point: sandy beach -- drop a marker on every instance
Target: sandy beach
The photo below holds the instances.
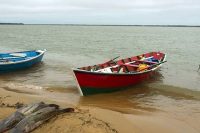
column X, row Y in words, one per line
column 54, row 51
column 90, row 119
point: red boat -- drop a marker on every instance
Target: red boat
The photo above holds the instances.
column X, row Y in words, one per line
column 116, row 75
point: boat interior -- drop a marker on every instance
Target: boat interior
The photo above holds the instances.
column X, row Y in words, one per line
column 133, row 64
column 18, row 56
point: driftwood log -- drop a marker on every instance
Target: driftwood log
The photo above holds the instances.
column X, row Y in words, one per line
column 11, row 121
column 31, row 116
column 31, row 108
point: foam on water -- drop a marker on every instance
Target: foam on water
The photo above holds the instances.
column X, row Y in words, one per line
column 20, row 86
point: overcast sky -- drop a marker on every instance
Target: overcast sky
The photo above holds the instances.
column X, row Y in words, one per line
column 181, row 12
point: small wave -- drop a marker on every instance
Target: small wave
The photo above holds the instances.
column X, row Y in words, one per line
column 21, row 88
column 176, row 92
column 69, row 89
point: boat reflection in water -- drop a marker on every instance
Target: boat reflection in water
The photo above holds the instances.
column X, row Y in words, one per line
column 126, row 100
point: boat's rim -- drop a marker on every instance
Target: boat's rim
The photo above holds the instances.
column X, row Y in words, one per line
column 136, row 73
column 26, row 60
column 104, row 73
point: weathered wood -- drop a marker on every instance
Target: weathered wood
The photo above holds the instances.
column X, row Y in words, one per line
column 11, row 121
column 31, row 116
column 32, row 121
column 60, row 111
column 31, row 108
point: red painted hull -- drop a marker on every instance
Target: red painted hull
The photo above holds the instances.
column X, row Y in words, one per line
column 98, row 82
column 101, row 80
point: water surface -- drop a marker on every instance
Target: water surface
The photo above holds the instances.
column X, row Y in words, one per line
column 76, row 46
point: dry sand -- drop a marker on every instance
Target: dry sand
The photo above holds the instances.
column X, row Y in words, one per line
column 96, row 120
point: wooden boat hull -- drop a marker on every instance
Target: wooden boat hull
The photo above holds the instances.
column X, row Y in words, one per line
column 7, row 67
column 93, row 82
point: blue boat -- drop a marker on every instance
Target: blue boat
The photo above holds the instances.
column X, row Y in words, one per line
column 19, row 60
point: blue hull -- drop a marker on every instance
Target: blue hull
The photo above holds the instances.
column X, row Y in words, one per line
column 20, row 65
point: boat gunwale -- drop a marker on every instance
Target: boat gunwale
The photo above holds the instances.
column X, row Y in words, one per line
column 119, row 74
column 26, row 60
column 101, row 73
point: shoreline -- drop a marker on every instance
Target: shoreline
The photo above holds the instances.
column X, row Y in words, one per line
column 134, row 25
column 97, row 119
column 11, row 23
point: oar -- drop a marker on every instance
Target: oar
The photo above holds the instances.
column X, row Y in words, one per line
column 153, row 65
column 97, row 67
column 111, row 60
column 144, row 61
column 5, row 58
column 13, row 56
column 131, row 65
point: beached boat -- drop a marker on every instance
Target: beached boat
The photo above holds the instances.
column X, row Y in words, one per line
column 19, row 60
column 116, row 75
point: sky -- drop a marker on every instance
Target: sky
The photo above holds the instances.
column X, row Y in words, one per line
column 113, row 12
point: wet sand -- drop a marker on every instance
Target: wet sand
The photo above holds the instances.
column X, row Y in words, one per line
column 81, row 121
column 94, row 115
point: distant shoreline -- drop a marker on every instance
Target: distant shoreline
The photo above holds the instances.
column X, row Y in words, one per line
column 11, row 23
column 105, row 25
column 121, row 25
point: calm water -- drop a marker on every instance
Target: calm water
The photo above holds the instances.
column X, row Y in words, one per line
column 75, row 46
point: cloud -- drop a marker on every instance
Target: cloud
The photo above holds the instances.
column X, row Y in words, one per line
column 77, row 10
